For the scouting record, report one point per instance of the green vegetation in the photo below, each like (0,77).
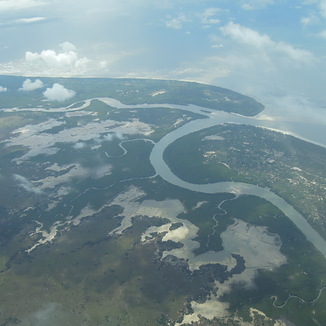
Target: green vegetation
(88,276)
(133,91)
(301,277)
(291,168)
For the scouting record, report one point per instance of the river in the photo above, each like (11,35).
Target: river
(238,188)
(301,130)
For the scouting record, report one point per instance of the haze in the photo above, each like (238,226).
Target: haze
(270,49)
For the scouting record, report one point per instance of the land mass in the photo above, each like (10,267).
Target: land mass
(90,234)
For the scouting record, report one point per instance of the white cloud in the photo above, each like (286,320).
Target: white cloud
(29,20)
(208,17)
(29,85)
(263,42)
(309,20)
(177,22)
(68,47)
(3,89)
(65,62)
(295,108)
(79,145)
(58,93)
(67,58)
(246,35)
(256,4)
(322,34)
(9,5)
(322,7)
(26,184)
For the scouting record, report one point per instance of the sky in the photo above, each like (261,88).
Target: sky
(273,50)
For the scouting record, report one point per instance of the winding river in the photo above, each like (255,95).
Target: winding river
(238,188)
(212,118)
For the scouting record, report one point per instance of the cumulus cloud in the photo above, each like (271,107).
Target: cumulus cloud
(262,41)
(3,89)
(65,60)
(58,93)
(29,85)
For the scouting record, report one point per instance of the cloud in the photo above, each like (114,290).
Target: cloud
(3,89)
(322,34)
(79,145)
(177,22)
(309,20)
(263,42)
(29,20)
(67,58)
(65,62)
(9,5)
(26,184)
(29,85)
(322,7)
(256,4)
(58,93)
(208,16)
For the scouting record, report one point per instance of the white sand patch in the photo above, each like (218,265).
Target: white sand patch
(177,123)
(163,91)
(214,137)
(200,204)
(226,165)
(79,114)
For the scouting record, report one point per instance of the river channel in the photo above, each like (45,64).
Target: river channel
(213,118)
(238,188)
